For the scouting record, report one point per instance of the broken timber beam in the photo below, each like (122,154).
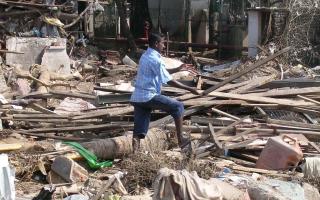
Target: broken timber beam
(214,137)
(254,98)
(288,92)
(253,84)
(247,70)
(72,94)
(240,135)
(293,124)
(225,114)
(308,99)
(205,130)
(209,101)
(78,128)
(104,89)
(169,119)
(106,112)
(213,121)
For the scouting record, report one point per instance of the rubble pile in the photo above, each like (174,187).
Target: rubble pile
(66,120)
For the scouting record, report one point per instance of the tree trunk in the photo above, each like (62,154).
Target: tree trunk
(118,147)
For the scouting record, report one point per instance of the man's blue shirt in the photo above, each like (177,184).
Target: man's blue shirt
(151,75)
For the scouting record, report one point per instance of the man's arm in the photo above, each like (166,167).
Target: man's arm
(174,70)
(177,84)
(183,67)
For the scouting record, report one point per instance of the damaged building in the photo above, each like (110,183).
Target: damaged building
(251,100)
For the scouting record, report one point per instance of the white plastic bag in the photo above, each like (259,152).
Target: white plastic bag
(7,190)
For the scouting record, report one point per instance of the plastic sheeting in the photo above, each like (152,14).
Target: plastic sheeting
(171,184)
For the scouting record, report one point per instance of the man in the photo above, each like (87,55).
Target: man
(147,94)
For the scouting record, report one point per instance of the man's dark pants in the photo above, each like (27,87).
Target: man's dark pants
(142,112)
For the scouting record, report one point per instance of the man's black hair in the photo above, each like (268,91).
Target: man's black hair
(154,38)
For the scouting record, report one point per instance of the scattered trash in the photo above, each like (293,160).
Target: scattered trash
(58,84)
(45,193)
(89,156)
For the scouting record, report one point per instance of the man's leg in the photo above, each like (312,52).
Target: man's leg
(179,124)
(141,124)
(174,108)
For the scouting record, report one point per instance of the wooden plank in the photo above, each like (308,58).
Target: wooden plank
(240,135)
(39,116)
(104,89)
(169,119)
(52,136)
(293,124)
(10,147)
(293,83)
(106,112)
(308,99)
(274,131)
(239,144)
(104,188)
(288,92)
(209,101)
(213,121)
(79,128)
(40,108)
(56,121)
(189,96)
(72,94)
(232,86)
(254,83)
(315,146)
(230,128)
(214,137)
(225,114)
(279,127)
(247,70)
(260,171)
(250,97)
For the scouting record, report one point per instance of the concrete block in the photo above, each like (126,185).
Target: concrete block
(56,59)
(69,170)
(32,49)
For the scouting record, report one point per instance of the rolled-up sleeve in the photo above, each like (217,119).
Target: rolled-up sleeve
(162,73)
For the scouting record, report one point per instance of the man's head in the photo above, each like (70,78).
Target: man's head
(156,42)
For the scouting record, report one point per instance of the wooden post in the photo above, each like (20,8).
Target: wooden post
(188,23)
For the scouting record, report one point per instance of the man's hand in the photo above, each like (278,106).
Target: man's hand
(188,67)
